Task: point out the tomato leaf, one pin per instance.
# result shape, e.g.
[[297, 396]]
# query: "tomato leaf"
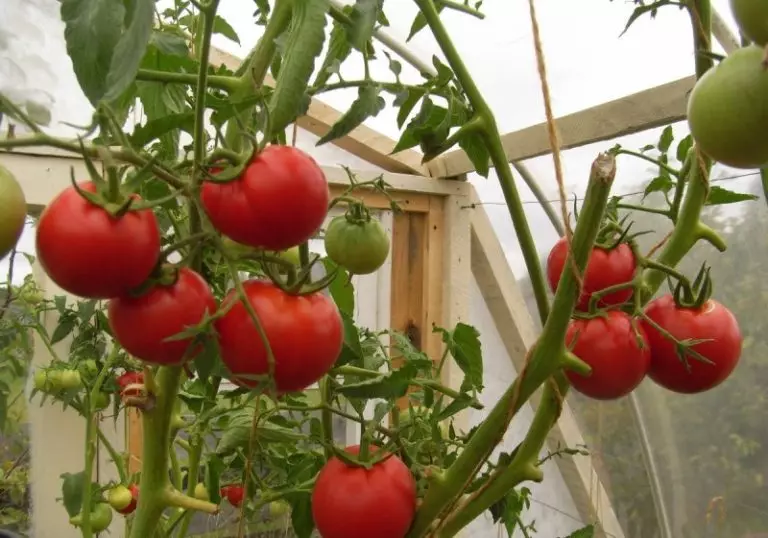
[[351, 351], [393, 384], [683, 147], [305, 42], [341, 289], [651, 8], [301, 514], [92, 30], [64, 328], [666, 139], [420, 22], [144, 134], [477, 151], [464, 345], [364, 16], [222, 27], [456, 406], [424, 125], [169, 43], [339, 49], [663, 183], [585, 532], [72, 492], [720, 196], [131, 48], [237, 434], [368, 104], [406, 100]]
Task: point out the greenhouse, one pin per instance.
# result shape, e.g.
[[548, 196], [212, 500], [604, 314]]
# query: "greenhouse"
[[383, 269]]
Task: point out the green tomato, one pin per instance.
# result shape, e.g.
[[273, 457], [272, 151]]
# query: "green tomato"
[[40, 380], [101, 518], [71, 380], [55, 380], [31, 295], [14, 212], [101, 401], [361, 247], [201, 492], [278, 509], [752, 19], [291, 255], [233, 248], [88, 368], [119, 497]]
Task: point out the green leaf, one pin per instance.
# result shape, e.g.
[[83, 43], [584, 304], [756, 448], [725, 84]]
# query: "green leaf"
[[85, 310], [92, 30], [160, 100], [144, 134], [720, 196], [65, 327], [237, 434], [368, 104], [477, 151], [306, 38], [339, 49], [301, 514], [427, 124], [169, 43], [341, 289], [351, 351], [456, 406], [130, 49], [222, 27], [406, 100], [464, 346], [389, 385], [72, 492], [662, 183], [364, 16], [419, 23], [585, 532], [651, 8], [683, 147], [666, 139]]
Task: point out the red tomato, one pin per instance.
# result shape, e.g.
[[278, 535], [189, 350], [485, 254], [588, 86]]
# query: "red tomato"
[[134, 489], [233, 494], [279, 201], [305, 334], [712, 321], [142, 324], [605, 268], [130, 378], [88, 253], [610, 346], [352, 502]]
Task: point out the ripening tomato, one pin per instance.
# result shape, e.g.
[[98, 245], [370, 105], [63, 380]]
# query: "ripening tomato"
[[351, 502], [120, 497], [233, 494], [131, 507], [130, 378], [605, 268], [143, 325], [305, 334], [280, 200], [712, 322], [619, 356], [88, 253]]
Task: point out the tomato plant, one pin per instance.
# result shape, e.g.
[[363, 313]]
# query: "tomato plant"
[[606, 268], [150, 325], [351, 501], [714, 335], [92, 254], [617, 351]]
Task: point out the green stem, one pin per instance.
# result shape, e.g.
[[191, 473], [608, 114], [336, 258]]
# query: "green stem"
[[116, 457], [259, 61], [546, 357], [327, 415], [492, 140], [701, 21], [193, 468], [91, 429], [653, 210], [222, 82], [643, 156], [764, 180], [463, 8], [538, 193], [674, 208]]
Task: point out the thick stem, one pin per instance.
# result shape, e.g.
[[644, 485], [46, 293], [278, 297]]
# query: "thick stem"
[[492, 140], [91, 429], [701, 21], [193, 469], [545, 358]]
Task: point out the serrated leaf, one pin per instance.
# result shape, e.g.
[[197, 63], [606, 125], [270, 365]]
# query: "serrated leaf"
[[341, 289], [661, 183], [339, 49], [65, 327], [169, 43], [144, 134], [222, 27], [585, 532], [406, 100], [351, 351], [392, 384], [130, 49], [424, 125], [85, 310], [364, 16], [666, 139], [92, 30], [456, 406], [306, 38], [420, 22], [642, 10], [475, 148], [367, 105], [464, 346], [720, 196]]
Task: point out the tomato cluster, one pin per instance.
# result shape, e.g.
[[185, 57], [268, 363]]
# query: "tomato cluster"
[[683, 348]]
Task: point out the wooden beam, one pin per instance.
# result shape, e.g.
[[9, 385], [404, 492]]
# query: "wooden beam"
[[507, 307], [640, 111], [362, 142]]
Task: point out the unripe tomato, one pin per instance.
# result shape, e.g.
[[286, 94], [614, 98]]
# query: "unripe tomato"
[[605, 268], [13, 214], [712, 322], [619, 356], [88, 253], [40, 381], [55, 380], [728, 110], [305, 334], [144, 325], [280, 200], [101, 401], [71, 380], [31, 295], [101, 518], [88, 368], [119, 497], [352, 502], [360, 247], [752, 18], [201, 492], [278, 509]]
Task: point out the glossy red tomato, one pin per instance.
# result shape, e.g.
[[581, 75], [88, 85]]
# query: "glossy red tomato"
[[233, 494], [712, 321], [305, 334], [611, 347], [127, 379], [352, 502], [605, 268], [143, 324], [88, 253], [280, 200]]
